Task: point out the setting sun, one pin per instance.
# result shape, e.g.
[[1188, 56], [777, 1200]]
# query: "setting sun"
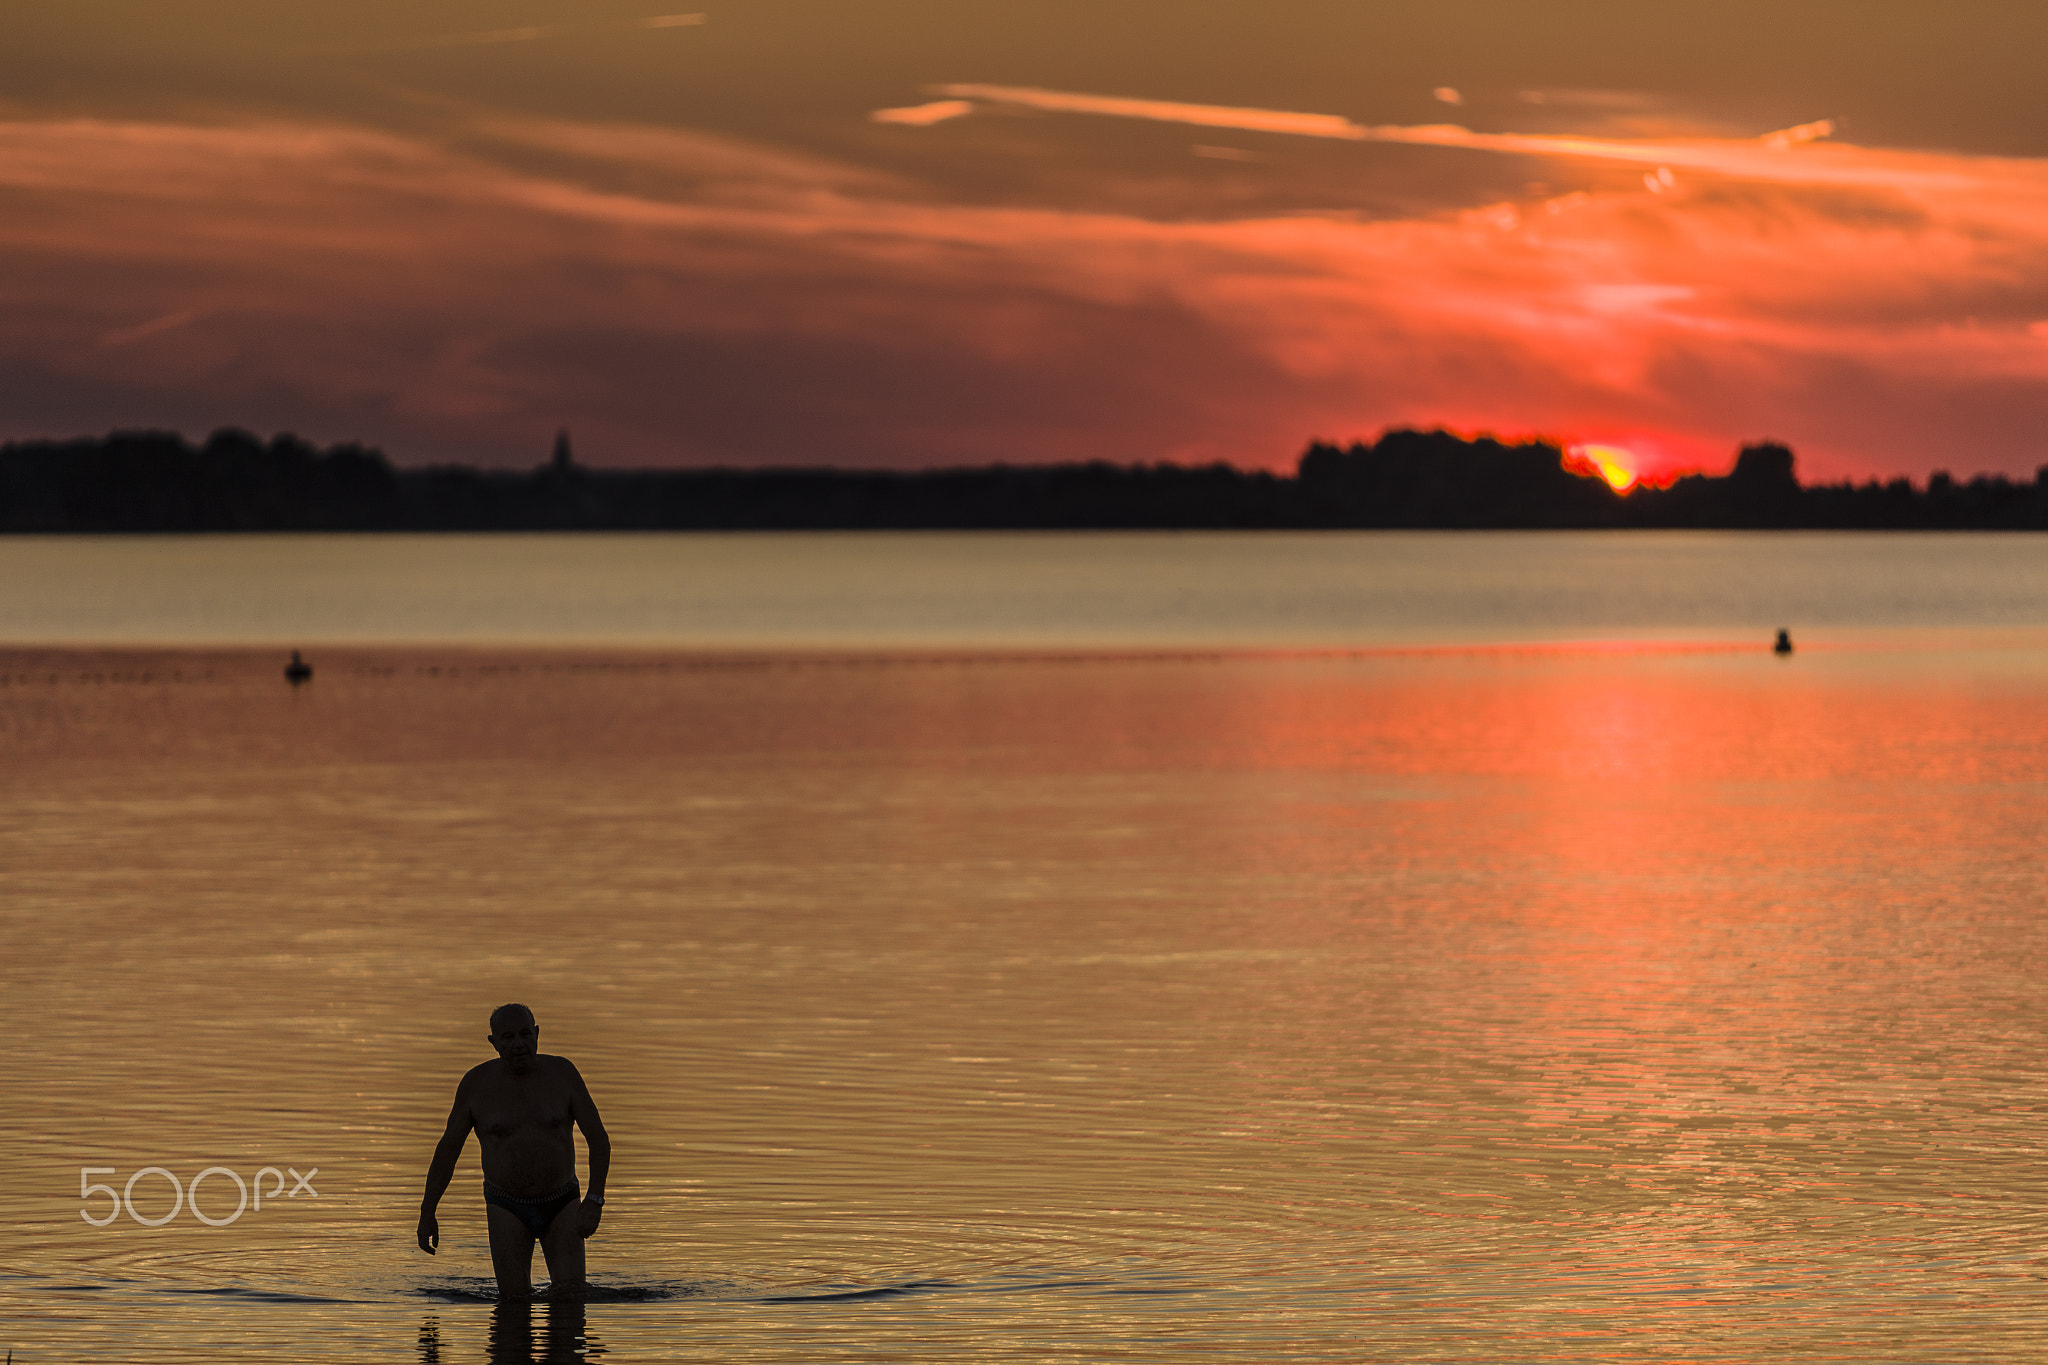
[[1611, 463]]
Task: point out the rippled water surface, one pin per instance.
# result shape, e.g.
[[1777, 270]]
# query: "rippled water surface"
[[1589, 1003]]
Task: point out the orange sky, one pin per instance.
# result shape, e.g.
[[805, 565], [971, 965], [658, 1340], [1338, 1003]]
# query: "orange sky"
[[917, 233]]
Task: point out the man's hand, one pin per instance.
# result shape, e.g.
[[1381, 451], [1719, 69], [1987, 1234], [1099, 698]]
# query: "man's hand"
[[587, 1218], [430, 1232]]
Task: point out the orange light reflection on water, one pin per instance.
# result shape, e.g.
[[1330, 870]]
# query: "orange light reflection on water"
[[1696, 959]]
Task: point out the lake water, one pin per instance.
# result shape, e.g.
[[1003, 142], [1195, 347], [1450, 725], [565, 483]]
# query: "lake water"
[[864, 592], [1029, 948]]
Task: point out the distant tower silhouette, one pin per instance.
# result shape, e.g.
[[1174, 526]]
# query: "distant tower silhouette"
[[298, 670], [564, 460], [1784, 645]]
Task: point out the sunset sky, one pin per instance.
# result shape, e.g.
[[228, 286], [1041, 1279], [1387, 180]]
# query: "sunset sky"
[[908, 232]]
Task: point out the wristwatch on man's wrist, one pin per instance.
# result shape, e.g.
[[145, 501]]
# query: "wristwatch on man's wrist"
[[596, 1199]]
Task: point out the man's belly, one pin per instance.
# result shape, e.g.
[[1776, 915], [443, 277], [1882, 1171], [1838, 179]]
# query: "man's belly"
[[529, 1165]]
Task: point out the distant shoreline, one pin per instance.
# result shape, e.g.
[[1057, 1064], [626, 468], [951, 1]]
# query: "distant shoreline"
[[157, 482]]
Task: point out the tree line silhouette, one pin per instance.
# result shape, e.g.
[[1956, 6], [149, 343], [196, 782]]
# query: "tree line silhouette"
[[158, 481]]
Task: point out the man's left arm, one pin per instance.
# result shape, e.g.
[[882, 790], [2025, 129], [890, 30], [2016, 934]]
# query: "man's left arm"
[[599, 1144]]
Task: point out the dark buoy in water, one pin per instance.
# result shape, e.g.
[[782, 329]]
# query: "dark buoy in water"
[[1784, 645], [298, 670]]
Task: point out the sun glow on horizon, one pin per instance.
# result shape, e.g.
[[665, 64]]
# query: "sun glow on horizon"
[[1611, 463]]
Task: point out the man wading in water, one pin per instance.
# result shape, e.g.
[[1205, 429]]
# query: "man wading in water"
[[522, 1106]]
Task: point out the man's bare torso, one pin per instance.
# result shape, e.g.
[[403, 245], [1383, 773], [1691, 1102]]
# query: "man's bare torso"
[[524, 1123]]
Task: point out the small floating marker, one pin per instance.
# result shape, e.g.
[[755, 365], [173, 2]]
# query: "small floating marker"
[[1784, 645], [299, 671]]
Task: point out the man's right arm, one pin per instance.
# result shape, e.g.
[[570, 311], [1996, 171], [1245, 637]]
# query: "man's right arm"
[[441, 1169]]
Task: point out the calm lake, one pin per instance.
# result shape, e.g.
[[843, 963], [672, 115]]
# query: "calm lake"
[[1456, 947]]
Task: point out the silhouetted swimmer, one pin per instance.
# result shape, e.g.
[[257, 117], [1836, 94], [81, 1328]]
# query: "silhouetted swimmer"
[[1784, 645], [298, 670], [522, 1107]]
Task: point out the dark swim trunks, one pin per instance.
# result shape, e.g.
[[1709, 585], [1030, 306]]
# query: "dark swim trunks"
[[537, 1214]]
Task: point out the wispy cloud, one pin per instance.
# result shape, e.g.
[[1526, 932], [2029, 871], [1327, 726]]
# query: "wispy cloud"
[[702, 163], [1799, 133], [169, 322], [923, 115], [495, 37], [489, 37], [1605, 100], [1742, 157], [1162, 111]]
